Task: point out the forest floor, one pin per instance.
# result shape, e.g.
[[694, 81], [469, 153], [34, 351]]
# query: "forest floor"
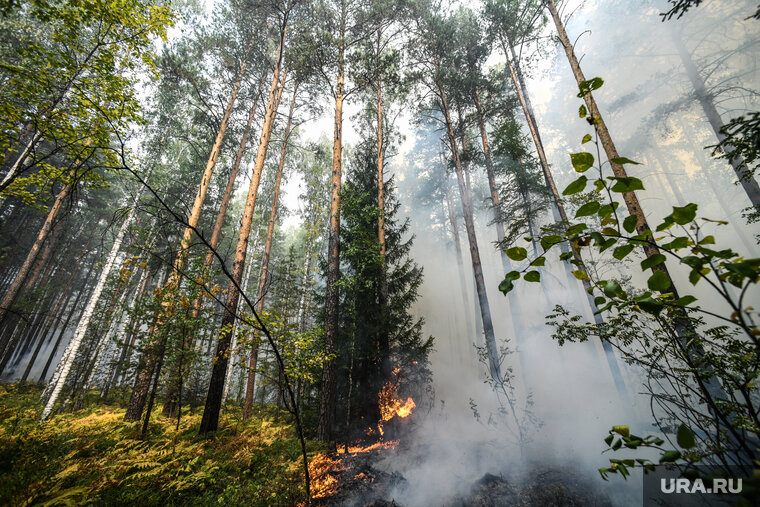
[[90, 456]]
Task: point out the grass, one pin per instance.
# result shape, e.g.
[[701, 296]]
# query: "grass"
[[92, 457]]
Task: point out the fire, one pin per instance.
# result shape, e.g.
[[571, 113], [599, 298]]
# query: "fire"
[[356, 449], [324, 470], [391, 406], [323, 482], [363, 477]]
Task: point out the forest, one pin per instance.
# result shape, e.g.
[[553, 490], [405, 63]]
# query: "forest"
[[379, 252]]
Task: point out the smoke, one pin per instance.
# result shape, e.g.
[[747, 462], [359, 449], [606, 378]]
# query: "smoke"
[[470, 430], [652, 113]]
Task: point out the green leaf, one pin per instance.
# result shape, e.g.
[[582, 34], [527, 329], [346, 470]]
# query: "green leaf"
[[609, 438], [623, 430], [516, 253], [580, 274], [607, 210], [538, 262], [548, 241], [666, 224], [677, 243], [582, 162], [707, 240], [586, 138], [650, 305], [685, 214], [670, 456], [564, 256], [600, 185], [659, 281], [532, 276], [589, 85], [685, 437], [507, 284], [620, 252], [623, 160], [575, 229], [607, 243], [693, 261], [583, 112], [629, 184], [588, 209], [685, 301], [746, 269], [652, 261], [576, 186], [642, 238], [629, 224], [599, 301], [613, 289]]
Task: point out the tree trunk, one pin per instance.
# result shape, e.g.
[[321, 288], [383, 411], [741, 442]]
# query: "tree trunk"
[[683, 327], [173, 388], [460, 261], [263, 276], [73, 347], [210, 419], [18, 280], [491, 179], [326, 426], [74, 307], [147, 364], [382, 296], [485, 311], [127, 344], [705, 98], [60, 304]]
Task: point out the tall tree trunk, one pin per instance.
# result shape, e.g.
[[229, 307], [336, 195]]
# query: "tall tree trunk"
[[498, 223], [121, 337], [43, 260], [684, 329], [485, 311], [174, 386], [460, 261], [382, 296], [479, 331], [326, 425], [705, 98], [65, 326], [147, 364], [71, 350], [210, 419], [42, 235], [63, 299], [558, 208], [264, 275]]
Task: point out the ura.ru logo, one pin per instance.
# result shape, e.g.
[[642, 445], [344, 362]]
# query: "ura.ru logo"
[[717, 486]]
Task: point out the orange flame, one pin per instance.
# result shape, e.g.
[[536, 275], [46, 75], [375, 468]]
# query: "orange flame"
[[356, 449], [391, 406], [323, 483]]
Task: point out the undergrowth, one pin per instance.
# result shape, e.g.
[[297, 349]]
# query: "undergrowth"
[[92, 457]]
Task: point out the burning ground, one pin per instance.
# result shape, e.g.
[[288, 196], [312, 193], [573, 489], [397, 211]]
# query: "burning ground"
[[401, 462], [366, 476]]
